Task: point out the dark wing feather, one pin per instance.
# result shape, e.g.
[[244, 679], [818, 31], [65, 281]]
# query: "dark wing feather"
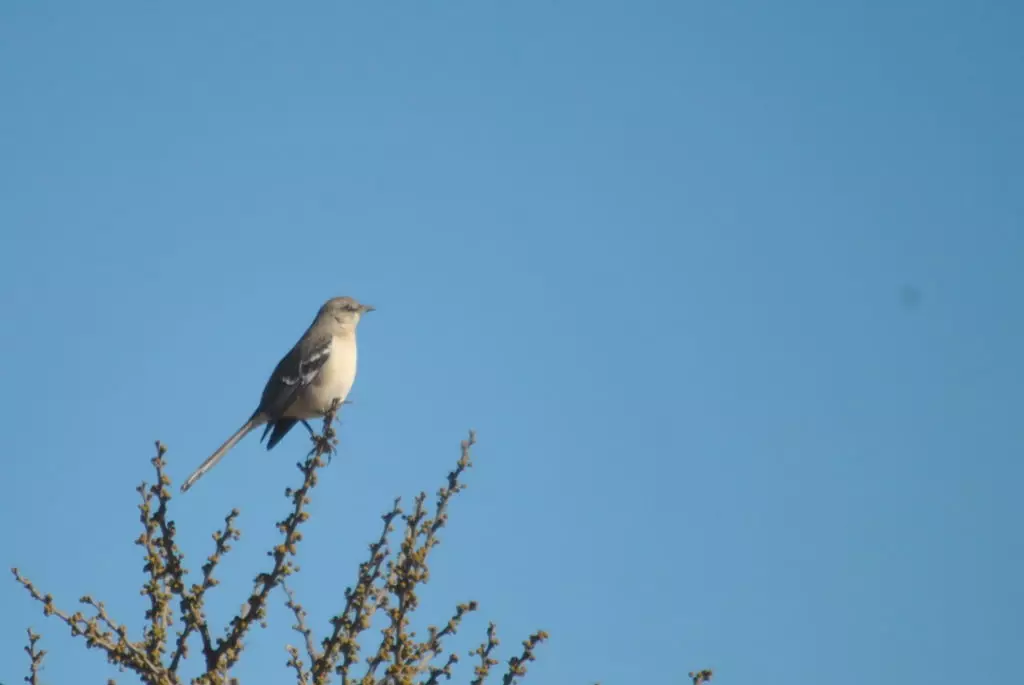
[[280, 429], [293, 374]]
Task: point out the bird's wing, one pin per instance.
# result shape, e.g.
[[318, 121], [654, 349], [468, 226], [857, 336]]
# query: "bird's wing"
[[280, 429], [294, 374]]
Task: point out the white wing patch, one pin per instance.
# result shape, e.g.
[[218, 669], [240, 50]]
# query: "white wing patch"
[[310, 366]]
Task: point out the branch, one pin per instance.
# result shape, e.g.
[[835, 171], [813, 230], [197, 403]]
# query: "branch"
[[446, 670], [384, 583], [429, 650], [302, 628], [228, 648], [701, 677], [364, 599], [163, 559], [113, 640], [484, 652], [361, 603], [36, 658], [403, 576], [411, 570], [192, 599], [517, 665]]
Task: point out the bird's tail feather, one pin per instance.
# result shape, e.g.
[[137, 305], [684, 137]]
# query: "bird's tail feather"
[[212, 460]]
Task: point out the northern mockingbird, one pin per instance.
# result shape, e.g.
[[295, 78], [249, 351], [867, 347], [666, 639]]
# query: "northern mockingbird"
[[319, 369]]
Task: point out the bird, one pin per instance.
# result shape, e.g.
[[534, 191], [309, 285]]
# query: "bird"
[[319, 370]]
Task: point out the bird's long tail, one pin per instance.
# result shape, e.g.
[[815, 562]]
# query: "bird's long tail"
[[212, 460]]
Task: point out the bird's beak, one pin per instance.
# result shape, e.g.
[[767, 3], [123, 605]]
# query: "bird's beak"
[[368, 308]]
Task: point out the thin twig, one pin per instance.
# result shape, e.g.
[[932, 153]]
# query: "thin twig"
[[228, 649], [484, 652], [301, 626], [517, 665], [411, 570], [162, 558], [121, 651], [361, 602], [433, 646], [384, 583], [701, 677], [36, 658], [192, 599]]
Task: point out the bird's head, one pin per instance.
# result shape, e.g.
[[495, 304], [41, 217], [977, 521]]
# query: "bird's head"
[[345, 310]]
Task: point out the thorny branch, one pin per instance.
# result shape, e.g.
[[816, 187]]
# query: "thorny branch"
[[191, 606], [361, 603], [386, 583], [517, 665], [433, 647], [301, 627], [35, 658], [100, 632], [484, 652], [701, 677], [163, 558], [228, 649]]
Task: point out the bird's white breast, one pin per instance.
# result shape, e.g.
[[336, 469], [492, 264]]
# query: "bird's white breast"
[[333, 382]]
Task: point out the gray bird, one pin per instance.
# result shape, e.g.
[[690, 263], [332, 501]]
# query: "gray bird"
[[319, 369]]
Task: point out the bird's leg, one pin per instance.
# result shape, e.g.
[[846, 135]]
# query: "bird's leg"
[[308, 427]]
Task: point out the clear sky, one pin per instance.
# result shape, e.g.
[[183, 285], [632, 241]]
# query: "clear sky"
[[732, 292]]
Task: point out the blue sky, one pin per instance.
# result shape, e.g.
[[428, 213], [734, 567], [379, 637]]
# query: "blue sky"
[[731, 292]]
